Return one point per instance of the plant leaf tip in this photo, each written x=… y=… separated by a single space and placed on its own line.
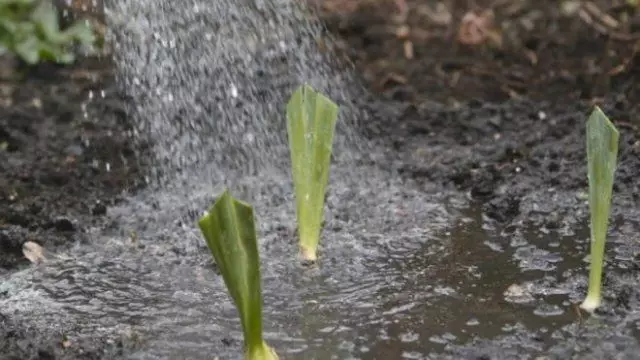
x=598 y=116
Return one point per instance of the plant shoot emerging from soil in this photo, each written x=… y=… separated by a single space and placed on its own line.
x=602 y=153
x=229 y=230
x=311 y=120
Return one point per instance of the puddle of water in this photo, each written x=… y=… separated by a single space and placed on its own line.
x=394 y=282
x=179 y=306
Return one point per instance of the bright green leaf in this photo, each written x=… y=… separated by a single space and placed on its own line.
x=602 y=154
x=311 y=120
x=229 y=230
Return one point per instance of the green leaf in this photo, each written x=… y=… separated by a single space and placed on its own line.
x=602 y=154
x=82 y=32
x=229 y=230
x=28 y=50
x=311 y=120
x=31 y=30
x=23 y=3
x=9 y=25
x=46 y=19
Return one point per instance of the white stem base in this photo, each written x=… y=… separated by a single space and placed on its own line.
x=308 y=255
x=590 y=303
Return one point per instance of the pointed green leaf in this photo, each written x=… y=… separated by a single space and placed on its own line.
x=311 y=120
x=45 y=16
x=230 y=233
x=602 y=154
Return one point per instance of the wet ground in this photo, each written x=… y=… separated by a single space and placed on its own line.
x=63 y=164
x=461 y=232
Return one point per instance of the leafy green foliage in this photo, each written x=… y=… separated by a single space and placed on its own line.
x=311 y=120
x=30 y=29
x=602 y=154
x=229 y=230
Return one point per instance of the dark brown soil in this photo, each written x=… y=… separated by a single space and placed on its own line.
x=541 y=51
x=66 y=156
x=63 y=158
x=499 y=119
x=505 y=120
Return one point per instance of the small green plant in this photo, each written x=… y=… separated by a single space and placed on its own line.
x=311 y=120
x=602 y=154
x=229 y=230
x=30 y=29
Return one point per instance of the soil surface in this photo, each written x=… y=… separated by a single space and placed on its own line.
x=502 y=115
x=457 y=51
x=496 y=109
x=496 y=93
x=65 y=158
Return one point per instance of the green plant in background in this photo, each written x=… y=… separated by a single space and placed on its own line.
x=311 y=120
x=602 y=154
x=229 y=230
x=30 y=29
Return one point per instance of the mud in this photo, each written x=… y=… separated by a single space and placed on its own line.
x=472 y=134
x=62 y=166
x=456 y=127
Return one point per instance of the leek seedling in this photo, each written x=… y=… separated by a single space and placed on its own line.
x=311 y=120
x=229 y=230
x=602 y=153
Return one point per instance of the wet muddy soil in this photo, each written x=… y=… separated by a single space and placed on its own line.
x=63 y=163
x=466 y=125
x=501 y=119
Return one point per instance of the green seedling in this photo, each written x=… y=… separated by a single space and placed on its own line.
x=229 y=230
x=311 y=120
x=602 y=153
